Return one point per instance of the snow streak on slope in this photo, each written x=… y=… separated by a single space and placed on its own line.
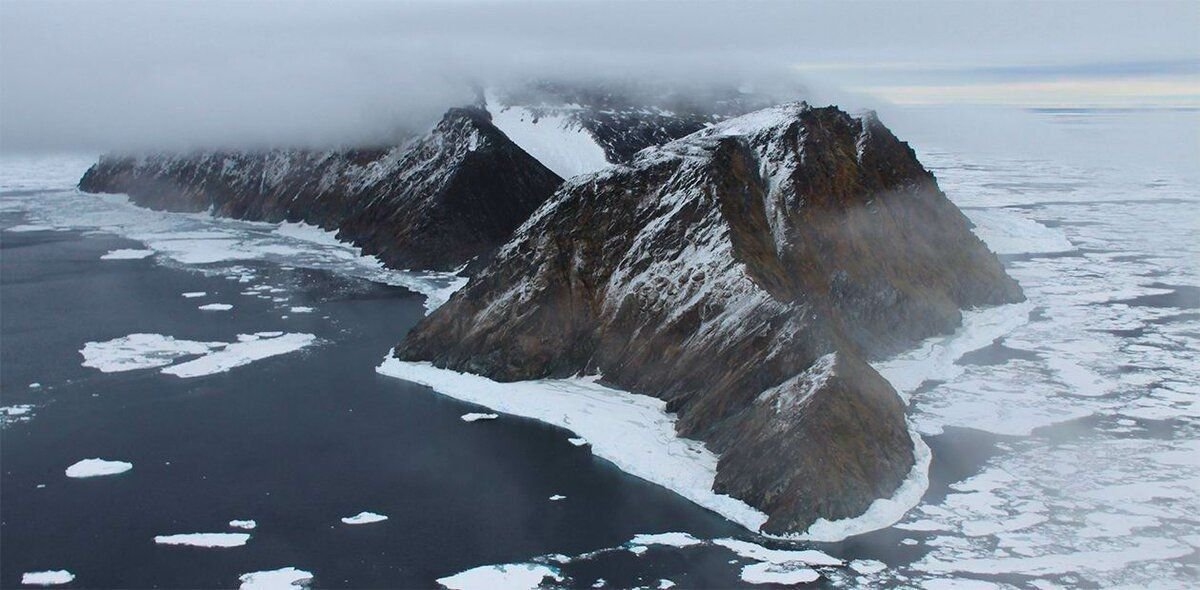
x=555 y=139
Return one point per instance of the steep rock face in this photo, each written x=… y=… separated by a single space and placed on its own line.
x=435 y=202
x=743 y=274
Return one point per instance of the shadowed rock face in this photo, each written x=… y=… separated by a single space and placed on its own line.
x=435 y=202
x=743 y=274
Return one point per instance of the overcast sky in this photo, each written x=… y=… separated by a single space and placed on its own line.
x=128 y=74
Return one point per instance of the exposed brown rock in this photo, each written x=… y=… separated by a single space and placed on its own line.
x=712 y=271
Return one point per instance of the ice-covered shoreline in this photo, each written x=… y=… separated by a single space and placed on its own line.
x=637 y=434
x=632 y=431
x=199 y=240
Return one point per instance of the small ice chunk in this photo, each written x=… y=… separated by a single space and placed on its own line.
x=243 y=524
x=300 y=309
x=47 y=578
x=17 y=410
x=364 y=518
x=34 y=385
x=577 y=441
x=97 y=467
x=127 y=254
x=475 y=416
x=282 y=578
x=216 y=307
x=557 y=497
x=638 y=549
x=204 y=539
x=664 y=583
x=194 y=294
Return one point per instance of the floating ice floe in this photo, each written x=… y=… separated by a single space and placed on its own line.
x=97 y=467
x=142 y=351
x=281 y=579
x=364 y=518
x=509 y=576
x=665 y=584
x=216 y=307
x=47 y=578
x=194 y=294
x=300 y=309
x=127 y=254
x=786 y=574
x=204 y=539
x=670 y=539
x=577 y=441
x=557 y=497
x=867 y=566
x=237 y=354
x=757 y=552
x=476 y=416
x=633 y=431
x=35 y=385
x=243 y=524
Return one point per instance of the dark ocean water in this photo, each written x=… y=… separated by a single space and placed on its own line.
x=294 y=442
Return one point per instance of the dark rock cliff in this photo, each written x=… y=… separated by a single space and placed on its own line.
x=435 y=202
x=744 y=274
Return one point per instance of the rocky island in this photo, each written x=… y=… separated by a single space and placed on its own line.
x=744 y=274
x=744 y=269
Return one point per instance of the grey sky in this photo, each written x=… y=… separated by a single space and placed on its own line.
x=128 y=74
